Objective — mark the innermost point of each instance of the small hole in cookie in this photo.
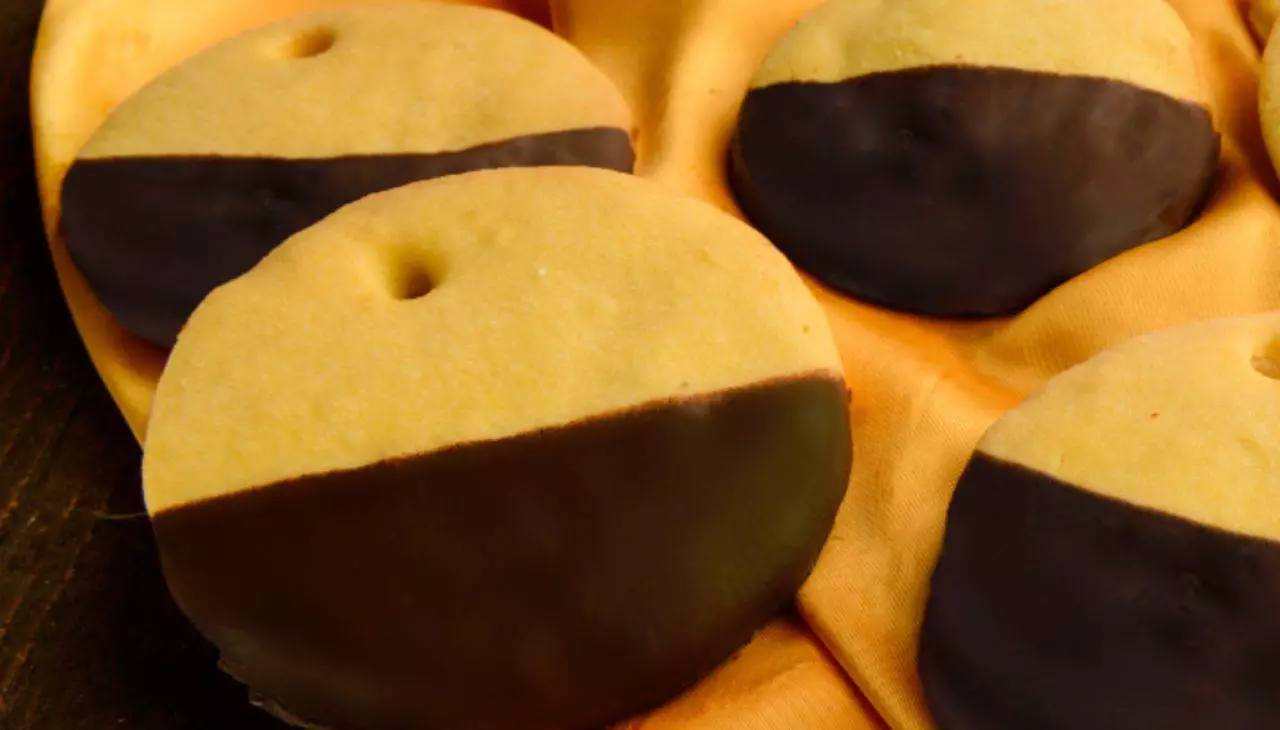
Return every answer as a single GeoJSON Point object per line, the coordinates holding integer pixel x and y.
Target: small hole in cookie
{"type": "Point", "coordinates": [1267, 359]}
{"type": "Point", "coordinates": [310, 43]}
{"type": "Point", "coordinates": [411, 282]}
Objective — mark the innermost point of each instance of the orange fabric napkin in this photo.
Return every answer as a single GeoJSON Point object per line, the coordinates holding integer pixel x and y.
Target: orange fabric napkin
{"type": "Point", "coordinates": [924, 390]}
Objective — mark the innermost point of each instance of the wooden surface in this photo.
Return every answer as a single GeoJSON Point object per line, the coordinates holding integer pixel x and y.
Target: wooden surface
{"type": "Point", "coordinates": [88, 635]}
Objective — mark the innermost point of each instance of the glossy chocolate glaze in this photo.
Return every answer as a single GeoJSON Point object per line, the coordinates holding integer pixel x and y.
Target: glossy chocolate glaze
{"type": "Point", "coordinates": [154, 235]}
{"type": "Point", "coordinates": [1053, 608]}
{"type": "Point", "coordinates": [953, 191]}
{"type": "Point", "coordinates": [559, 579]}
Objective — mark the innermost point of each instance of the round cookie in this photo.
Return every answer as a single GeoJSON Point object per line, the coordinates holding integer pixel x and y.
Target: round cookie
{"type": "Point", "coordinates": [193, 179]}
{"type": "Point", "coordinates": [964, 158]}
{"type": "Point", "coordinates": [1112, 550]}
{"type": "Point", "coordinates": [539, 460]}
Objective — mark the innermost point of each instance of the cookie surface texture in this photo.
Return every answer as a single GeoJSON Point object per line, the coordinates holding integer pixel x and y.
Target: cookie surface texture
{"type": "Point", "coordinates": [957, 159]}
{"type": "Point", "coordinates": [1112, 551]}
{"type": "Point", "coordinates": [192, 180]}
{"type": "Point", "coordinates": [540, 459]}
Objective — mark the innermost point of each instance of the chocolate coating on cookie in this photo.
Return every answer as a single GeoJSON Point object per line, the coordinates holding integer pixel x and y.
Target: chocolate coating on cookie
{"type": "Point", "coordinates": [559, 579]}
{"type": "Point", "coordinates": [484, 470]}
{"type": "Point", "coordinates": [1111, 556]}
{"type": "Point", "coordinates": [228, 212]}
{"type": "Point", "coordinates": [956, 178]}
{"type": "Point", "coordinates": [193, 180]}
{"type": "Point", "coordinates": [1056, 608]}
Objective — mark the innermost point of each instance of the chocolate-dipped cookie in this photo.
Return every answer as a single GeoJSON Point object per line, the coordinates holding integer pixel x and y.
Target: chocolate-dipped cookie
{"type": "Point", "coordinates": [1112, 550]}
{"type": "Point", "coordinates": [963, 158]}
{"type": "Point", "coordinates": [522, 448]}
{"type": "Point", "coordinates": [193, 179]}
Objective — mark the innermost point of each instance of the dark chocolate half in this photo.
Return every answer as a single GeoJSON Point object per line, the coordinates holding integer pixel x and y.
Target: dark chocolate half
{"type": "Point", "coordinates": [154, 235]}
{"type": "Point", "coordinates": [560, 579]}
{"type": "Point", "coordinates": [965, 191]}
{"type": "Point", "coordinates": [1053, 608]}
